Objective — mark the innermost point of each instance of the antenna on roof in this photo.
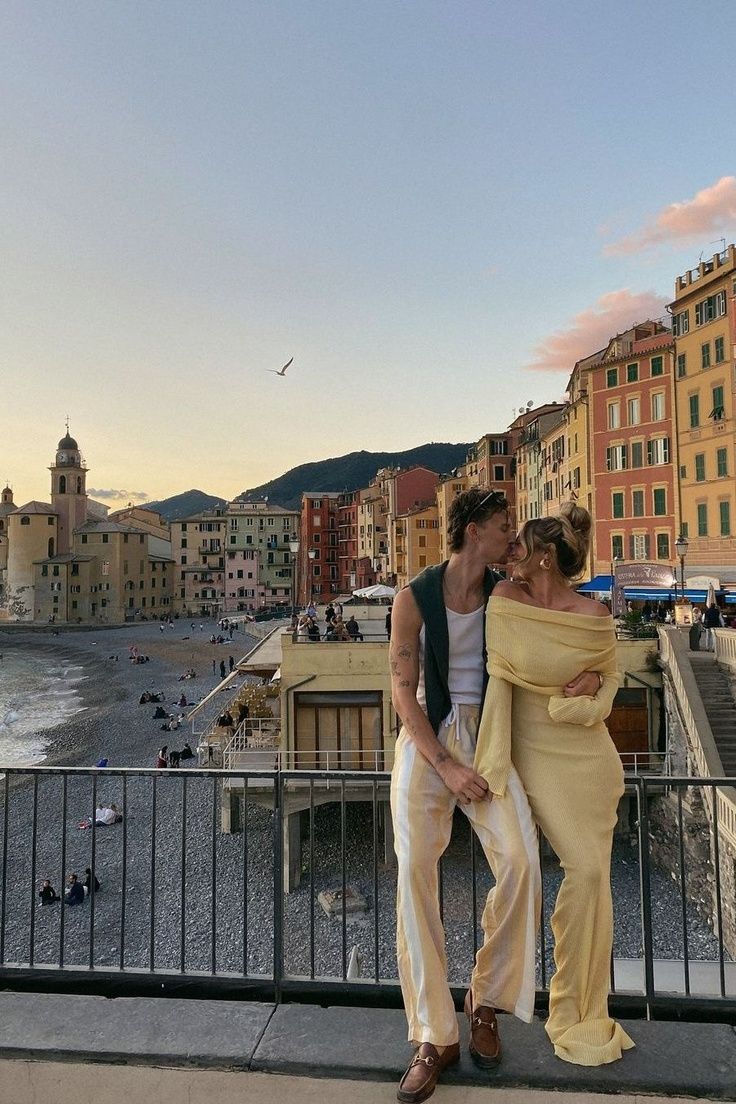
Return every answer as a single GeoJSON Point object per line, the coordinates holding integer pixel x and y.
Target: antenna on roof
{"type": "Point", "coordinates": [723, 244]}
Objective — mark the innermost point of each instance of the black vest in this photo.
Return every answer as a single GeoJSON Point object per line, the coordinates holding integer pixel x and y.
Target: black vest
{"type": "Point", "coordinates": [427, 591]}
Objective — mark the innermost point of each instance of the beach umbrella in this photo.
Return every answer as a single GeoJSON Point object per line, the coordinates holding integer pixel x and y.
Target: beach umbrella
{"type": "Point", "coordinates": [377, 591]}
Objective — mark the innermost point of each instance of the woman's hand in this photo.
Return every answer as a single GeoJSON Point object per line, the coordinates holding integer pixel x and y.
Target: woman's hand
{"type": "Point", "coordinates": [587, 683]}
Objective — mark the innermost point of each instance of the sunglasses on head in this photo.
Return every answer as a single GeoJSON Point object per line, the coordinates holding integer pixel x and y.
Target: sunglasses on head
{"type": "Point", "coordinates": [498, 496]}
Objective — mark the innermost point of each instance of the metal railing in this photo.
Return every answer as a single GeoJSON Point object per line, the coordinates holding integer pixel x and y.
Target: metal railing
{"type": "Point", "coordinates": [181, 899]}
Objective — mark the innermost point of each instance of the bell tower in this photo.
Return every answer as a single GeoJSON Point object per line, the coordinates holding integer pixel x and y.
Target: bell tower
{"type": "Point", "coordinates": [68, 490]}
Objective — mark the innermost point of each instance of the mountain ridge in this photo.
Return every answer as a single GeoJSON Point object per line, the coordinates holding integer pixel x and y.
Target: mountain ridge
{"type": "Point", "coordinates": [349, 472]}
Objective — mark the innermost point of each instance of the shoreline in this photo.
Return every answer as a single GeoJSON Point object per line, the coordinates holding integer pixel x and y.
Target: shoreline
{"type": "Point", "coordinates": [112, 724]}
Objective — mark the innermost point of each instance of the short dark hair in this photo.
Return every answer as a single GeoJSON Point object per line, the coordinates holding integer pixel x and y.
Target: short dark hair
{"type": "Point", "coordinates": [476, 504]}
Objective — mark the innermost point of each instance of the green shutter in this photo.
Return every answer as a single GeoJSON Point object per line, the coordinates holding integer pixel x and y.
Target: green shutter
{"type": "Point", "coordinates": [725, 511]}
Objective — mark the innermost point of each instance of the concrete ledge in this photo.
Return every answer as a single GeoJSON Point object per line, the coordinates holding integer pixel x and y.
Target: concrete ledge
{"type": "Point", "coordinates": [368, 1043]}
{"type": "Point", "coordinates": [354, 1044]}
{"type": "Point", "coordinates": [144, 1030]}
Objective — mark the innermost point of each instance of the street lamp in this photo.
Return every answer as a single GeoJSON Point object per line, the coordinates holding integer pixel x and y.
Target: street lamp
{"type": "Point", "coordinates": [294, 550]}
{"type": "Point", "coordinates": [681, 545]}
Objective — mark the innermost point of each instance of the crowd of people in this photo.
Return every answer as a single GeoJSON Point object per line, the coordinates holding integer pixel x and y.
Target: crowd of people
{"type": "Point", "coordinates": [305, 626]}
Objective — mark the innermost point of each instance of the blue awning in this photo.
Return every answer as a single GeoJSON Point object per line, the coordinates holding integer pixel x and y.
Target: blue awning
{"type": "Point", "coordinates": [653, 594]}
{"type": "Point", "coordinates": [601, 584]}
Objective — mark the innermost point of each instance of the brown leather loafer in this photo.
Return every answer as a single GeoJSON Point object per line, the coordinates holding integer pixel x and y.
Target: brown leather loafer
{"type": "Point", "coordinates": [423, 1072]}
{"type": "Point", "coordinates": [485, 1045]}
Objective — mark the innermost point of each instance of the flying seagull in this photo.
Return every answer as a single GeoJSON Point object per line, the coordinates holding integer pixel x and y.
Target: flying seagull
{"type": "Point", "coordinates": [282, 372]}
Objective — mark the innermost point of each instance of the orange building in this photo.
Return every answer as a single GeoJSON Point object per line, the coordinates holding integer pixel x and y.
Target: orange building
{"type": "Point", "coordinates": [633, 448]}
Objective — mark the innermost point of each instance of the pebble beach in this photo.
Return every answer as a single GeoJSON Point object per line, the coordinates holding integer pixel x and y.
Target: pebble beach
{"type": "Point", "coordinates": [170, 849]}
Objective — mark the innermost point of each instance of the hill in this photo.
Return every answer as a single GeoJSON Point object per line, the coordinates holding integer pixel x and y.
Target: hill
{"type": "Point", "coordinates": [184, 504]}
{"type": "Point", "coordinates": [354, 470]}
{"type": "Point", "coordinates": [339, 473]}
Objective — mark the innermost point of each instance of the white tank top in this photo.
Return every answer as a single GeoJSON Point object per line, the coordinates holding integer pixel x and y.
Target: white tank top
{"type": "Point", "coordinates": [465, 677]}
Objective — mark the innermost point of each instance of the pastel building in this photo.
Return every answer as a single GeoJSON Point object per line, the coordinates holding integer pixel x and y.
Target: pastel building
{"type": "Point", "coordinates": [704, 326]}
{"type": "Point", "coordinates": [633, 448]}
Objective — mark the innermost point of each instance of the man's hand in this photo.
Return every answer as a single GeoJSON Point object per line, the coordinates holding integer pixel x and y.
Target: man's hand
{"type": "Point", "coordinates": [586, 684]}
{"type": "Point", "coordinates": [462, 781]}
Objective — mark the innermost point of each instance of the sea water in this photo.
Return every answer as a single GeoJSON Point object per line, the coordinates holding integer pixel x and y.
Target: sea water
{"type": "Point", "coordinates": [37, 692]}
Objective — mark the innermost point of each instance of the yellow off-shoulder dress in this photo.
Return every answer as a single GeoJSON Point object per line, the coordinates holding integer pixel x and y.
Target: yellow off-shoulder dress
{"type": "Point", "coordinates": [573, 778]}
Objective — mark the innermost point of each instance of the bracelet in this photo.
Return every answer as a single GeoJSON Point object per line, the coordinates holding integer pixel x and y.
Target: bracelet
{"type": "Point", "coordinates": [600, 680]}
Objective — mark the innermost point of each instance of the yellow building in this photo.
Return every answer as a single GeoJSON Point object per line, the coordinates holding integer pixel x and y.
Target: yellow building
{"type": "Point", "coordinates": [704, 327]}
{"type": "Point", "coordinates": [553, 455]}
{"type": "Point", "coordinates": [417, 542]}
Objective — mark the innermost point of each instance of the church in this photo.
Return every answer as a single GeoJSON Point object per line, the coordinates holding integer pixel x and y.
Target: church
{"type": "Point", "coordinates": [72, 561]}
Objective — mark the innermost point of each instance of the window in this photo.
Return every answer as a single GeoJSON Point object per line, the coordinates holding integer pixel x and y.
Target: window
{"type": "Point", "coordinates": [617, 499]}
{"type": "Point", "coordinates": [712, 307]}
{"type": "Point", "coordinates": [700, 467]}
{"type": "Point", "coordinates": [614, 415]}
{"type": "Point", "coordinates": [718, 407]}
{"type": "Point", "coordinates": [612, 377]}
{"type": "Point", "coordinates": [657, 364]}
{"type": "Point", "coordinates": [27, 521]}
{"type": "Point", "coordinates": [663, 546]}
{"type": "Point", "coordinates": [720, 353]}
{"type": "Point", "coordinates": [633, 412]}
{"type": "Point", "coordinates": [680, 323]}
{"type": "Point", "coordinates": [702, 519]}
{"type": "Point", "coordinates": [639, 546]}
{"type": "Point", "coordinates": [694, 411]}
{"type": "Point", "coordinates": [722, 461]}
{"type": "Point", "coordinates": [724, 509]}
{"type": "Point", "coordinates": [44, 570]}
{"type": "Point", "coordinates": [637, 454]}
{"type": "Point", "coordinates": [681, 365]}
{"type": "Point", "coordinates": [684, 529]}
{"type": "Point", "coordinates": [617, 547]}
{"type": "Point", "coordinates": [632, 373]}
{"type": "Point", "coordinates": [84, 538]}
{"type": "Point", "coordinates": [705, 355]}
{"type": "Point", "coordinates": [658, 406]}
{"type": "Point", "coordinates": [658, 450]}
{"type": "Point", "coordinates": [637, 503]}
{"type": "Point", "coordinates": [616, 457]}
{"type": "Point", "coordinates": [499, 472]}
{"type": "Point", "coordinates": [660, 501]}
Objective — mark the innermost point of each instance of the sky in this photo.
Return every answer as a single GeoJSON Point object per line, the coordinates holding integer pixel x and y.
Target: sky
{"type": "Point", "coordinates": [434, 207]}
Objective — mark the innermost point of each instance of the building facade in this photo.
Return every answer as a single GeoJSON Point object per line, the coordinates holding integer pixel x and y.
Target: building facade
{"type": "Point", "coordinates": [633, 448]}
{"type": "Point", "coordinates": [704, 327]}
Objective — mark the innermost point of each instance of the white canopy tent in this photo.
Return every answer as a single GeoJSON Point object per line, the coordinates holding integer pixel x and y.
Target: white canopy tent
{"type": "Point", "coordinates": [379, 590]}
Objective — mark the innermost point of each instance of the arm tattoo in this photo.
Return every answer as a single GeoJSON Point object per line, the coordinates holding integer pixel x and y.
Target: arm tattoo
{"type": "Point", "coordinates": [405, 651]}
{"type": "Point", "coordinates": [442, 757]}
{"type": "Point", "coordinates": [404, 682]}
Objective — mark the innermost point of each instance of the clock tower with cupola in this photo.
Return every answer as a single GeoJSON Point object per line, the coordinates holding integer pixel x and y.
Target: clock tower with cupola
{"type": "Point", "coordinates": [68, 491]}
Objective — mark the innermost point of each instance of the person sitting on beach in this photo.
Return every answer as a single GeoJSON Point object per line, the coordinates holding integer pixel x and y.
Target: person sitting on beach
{"type": "Point", "coordinates": [102, 762]}
{"type": "Point", "coordinates": [186, 752]}
{"type": "Point", "coordinates": [87, 883]}
{"type": "Point", "coordinates": [182, 701]}
{"type": "Point", "coordinates": [162, 759]}
{"type": "Point", "coordinates": [47, 893]}
{"type": "Point", "coordinates": [225, 720]}
{"type": "Point", "coordinates": [145, 698]}
{"type": "Point", "coordinates": [117, 811]}
{"type": "Point", "coordinates": [160, 713]}
{"type": "Point", "coordinates": [75, 891]}
{"type": "Point", "coordinates": [174, 757]}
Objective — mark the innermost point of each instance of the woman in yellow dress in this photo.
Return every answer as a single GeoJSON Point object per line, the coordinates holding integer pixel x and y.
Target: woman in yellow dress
{"type": "Point", "coordinates": [539, 635]}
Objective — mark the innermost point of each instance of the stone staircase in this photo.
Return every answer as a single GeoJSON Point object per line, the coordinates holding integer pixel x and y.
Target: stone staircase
{"type": "Point", "coordinates": [714, 685]}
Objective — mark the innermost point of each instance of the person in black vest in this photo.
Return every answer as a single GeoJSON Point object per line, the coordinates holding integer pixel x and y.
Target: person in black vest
{"type": "Point", "coordinates": [438, 672]}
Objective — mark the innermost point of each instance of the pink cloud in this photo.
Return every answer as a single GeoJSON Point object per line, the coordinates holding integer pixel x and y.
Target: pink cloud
{"type": "Point", "coordinates": [711, 211]}
{"type": "Point", "coordinates": [591, 329]}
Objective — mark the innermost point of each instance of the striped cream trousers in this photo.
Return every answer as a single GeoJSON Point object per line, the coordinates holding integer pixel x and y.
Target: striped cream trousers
{"type": "Point", "coordinates": [422, 809]}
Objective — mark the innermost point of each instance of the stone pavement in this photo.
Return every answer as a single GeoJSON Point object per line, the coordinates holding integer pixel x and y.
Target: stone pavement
{"type": "Point", "coordinates": [71, 1083]}
{"type": "Point", "coordinates": [321, 1046]}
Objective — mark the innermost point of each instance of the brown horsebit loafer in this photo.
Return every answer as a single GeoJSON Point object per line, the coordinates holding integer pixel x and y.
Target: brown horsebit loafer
{"type": "Point", "coordinates": [485, 1045]}
{"type": "Point", "coordinates": [423, 1072]}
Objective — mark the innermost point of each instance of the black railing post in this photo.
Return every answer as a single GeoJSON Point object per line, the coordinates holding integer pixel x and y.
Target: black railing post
{"type": "Point", "coordinates": [278, 885]}
{"type": "Point", "coordinates": [645, 884]}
